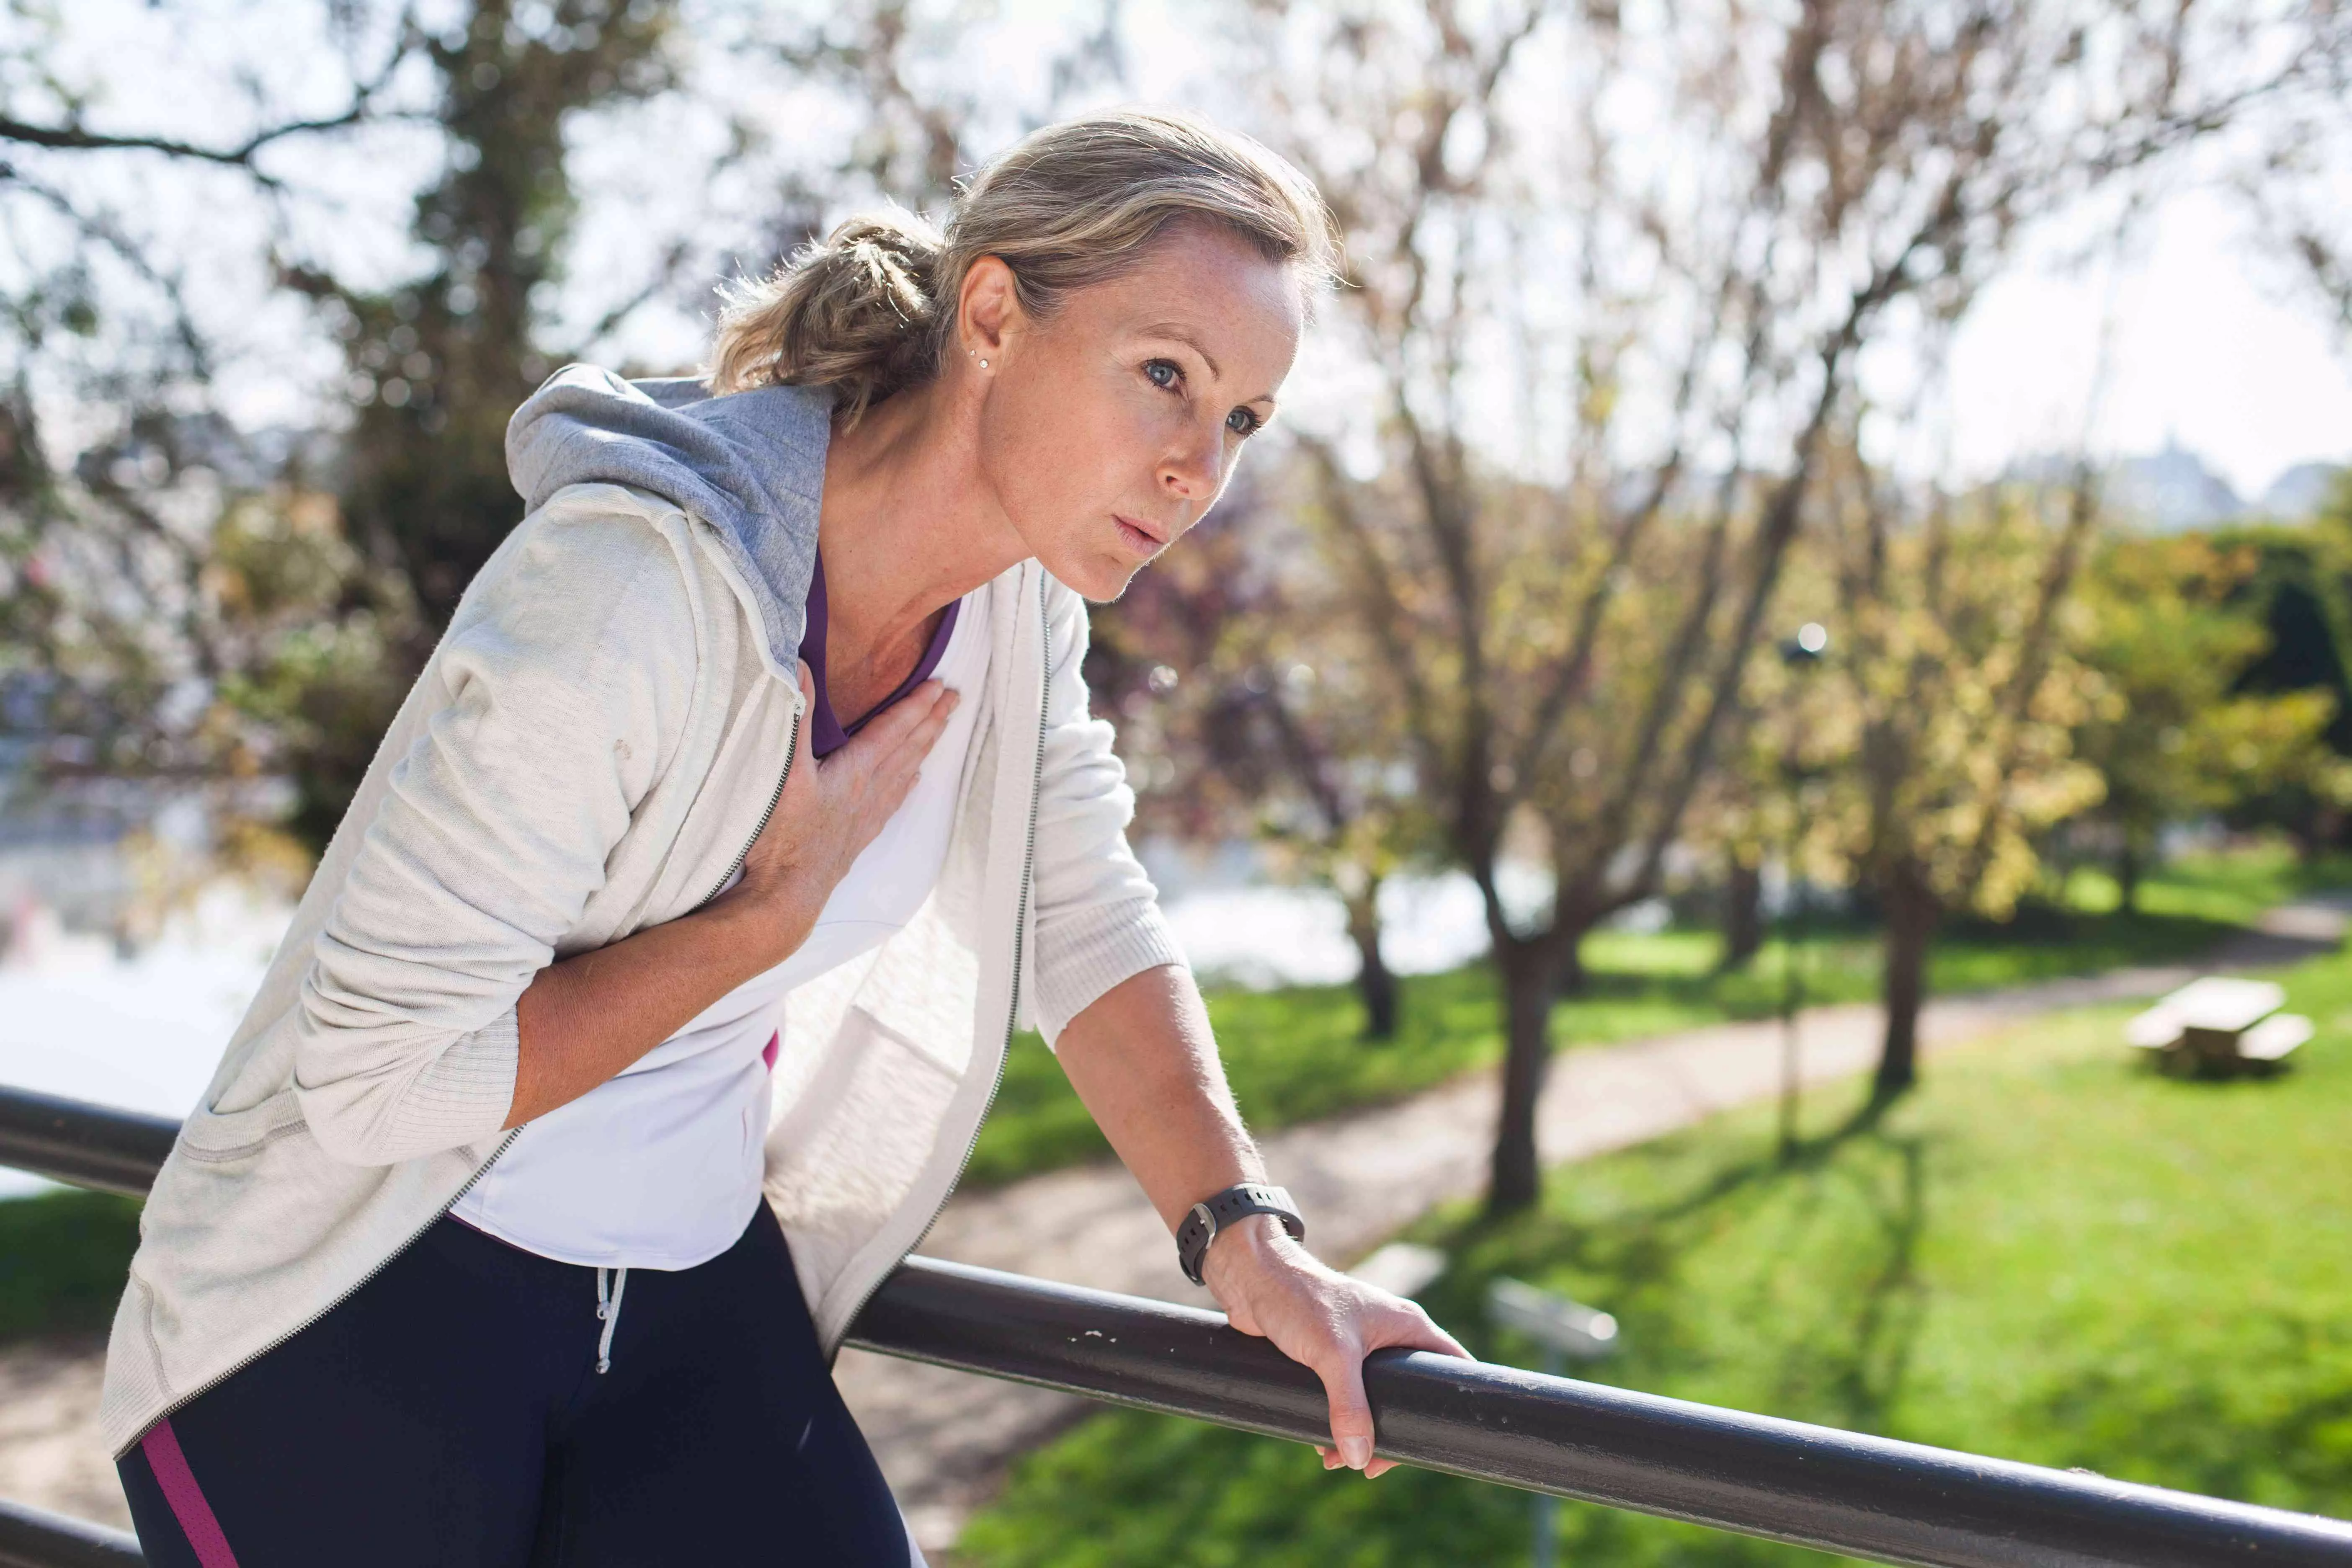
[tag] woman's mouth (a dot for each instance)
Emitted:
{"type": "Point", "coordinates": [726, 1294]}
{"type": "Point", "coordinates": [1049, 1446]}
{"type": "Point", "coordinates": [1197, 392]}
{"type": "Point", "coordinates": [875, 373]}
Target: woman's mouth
{"type": "Point", "coordinates": [1138, 538]}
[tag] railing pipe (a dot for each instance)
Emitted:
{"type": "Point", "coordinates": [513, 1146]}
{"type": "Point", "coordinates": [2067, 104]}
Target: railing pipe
{"type": "Point", "coordinates": [1813, 1486]}
{"type": "Point", "coordinates": [87, 1145]}
{"type": "Point", "coordinates": [35, 1538]}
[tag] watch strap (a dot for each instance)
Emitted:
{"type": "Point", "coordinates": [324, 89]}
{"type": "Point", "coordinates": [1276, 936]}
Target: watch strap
{"type": "Point", "coordinates": [1212, 1215]}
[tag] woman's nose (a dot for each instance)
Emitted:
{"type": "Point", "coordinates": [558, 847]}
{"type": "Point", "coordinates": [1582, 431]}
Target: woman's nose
{"type": "Point", "coordinates": [1192, 470]}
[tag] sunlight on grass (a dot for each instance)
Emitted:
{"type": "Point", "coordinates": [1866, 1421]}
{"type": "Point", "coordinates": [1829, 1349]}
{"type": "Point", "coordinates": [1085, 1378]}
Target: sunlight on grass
{"type": "Point", "coordinates": [2045, 1254]}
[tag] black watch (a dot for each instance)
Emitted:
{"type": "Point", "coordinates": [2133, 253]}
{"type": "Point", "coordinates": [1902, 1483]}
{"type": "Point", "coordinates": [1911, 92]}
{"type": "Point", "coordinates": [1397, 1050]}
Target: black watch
{"type": "Point", "coordinates": [1211, 1215]}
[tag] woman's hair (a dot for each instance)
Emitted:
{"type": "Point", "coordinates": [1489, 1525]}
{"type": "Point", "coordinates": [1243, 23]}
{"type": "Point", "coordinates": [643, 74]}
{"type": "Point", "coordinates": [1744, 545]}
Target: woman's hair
{"type": "Point", "coordinates": [870, 308]}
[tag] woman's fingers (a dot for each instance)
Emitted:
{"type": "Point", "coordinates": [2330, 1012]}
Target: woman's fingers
{"type": "Point", "coordinates": [1377, 1324]}
{"type": "Point", "coordinates": [896, 725]}
{"type": "Point", "coordinates": [1409, 1327]}
{"type": "Point", "coordinates": [870, 778]}
{"type": "Point", "coordinates": [899, 737]}
{"type": "Point", "coordinates": [904, 747]}
{"type": "Point", "coordinates": [904, 731]}
{"type": "Point", "coordinates": [829, 811]}
{"type": "Point", "coordinates": [1390, 1323]}
{"type": "Point", "coordinates": [1351, 1413]}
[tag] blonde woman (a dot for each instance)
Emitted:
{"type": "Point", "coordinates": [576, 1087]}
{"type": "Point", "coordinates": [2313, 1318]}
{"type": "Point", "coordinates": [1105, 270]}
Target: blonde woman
{"type": "Point", "coordinates": [641, 1016]}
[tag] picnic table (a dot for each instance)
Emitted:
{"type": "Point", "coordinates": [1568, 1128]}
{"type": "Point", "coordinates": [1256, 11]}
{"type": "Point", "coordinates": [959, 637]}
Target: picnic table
{"type": "Point", "coordinates": [2220, 1025]}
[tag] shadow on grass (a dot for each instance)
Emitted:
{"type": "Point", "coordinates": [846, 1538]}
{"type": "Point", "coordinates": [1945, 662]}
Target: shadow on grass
{"type": "Point", "coordinates": [1879, 1199]}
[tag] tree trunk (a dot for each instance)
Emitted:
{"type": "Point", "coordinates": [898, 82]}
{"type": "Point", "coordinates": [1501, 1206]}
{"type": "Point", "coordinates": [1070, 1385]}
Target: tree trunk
{"type": "Point", "coordinates": [1374, 984]}
{"type": "Point", "coordinates": [2127, 873]}
{"type": "Point", "coordinates": [1743, 916]}
{"type": "Point", "coordinates": [1568, 976]}
{"type": "Point", "coordinates": [1910, 914]}
{"type": "Point", "coordinates": [1527, 988]}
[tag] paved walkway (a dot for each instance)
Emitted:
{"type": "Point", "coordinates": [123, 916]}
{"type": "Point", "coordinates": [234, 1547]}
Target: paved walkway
{"type": "Point", "coordinates": [945, 1437]}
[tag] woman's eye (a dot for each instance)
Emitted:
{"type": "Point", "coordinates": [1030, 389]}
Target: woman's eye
{"type": "Point", "coordinates": [1163, 372]}
{"type": "Point", "coordinates": [1242, 422]}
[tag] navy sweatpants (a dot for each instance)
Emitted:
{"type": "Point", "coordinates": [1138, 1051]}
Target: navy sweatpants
{"type": "Point", "coordinates": [450, 1413]}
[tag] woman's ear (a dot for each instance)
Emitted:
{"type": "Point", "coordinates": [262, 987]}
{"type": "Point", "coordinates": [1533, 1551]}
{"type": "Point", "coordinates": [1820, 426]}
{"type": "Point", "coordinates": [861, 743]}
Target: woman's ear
{"type": "Point", "coordinates": [988, 313]}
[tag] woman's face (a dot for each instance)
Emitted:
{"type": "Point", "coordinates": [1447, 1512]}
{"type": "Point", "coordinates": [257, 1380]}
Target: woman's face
{"type": "Point", "coordinates": [1111, 428]}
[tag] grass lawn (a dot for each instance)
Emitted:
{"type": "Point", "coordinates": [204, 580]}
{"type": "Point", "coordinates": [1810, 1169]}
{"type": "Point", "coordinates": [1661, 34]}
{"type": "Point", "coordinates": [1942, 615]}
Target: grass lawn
{"type": "Point", "coordinates": [2046, 1253]}
{"type": "Point", "coordinates": [63, 1257]}
{"type": "Point", "coordinates": [1297, 1054]}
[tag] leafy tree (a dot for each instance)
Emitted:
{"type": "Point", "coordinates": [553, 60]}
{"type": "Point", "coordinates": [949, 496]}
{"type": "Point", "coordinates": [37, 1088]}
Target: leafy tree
{"type": "Point", "coordinates": [438, 363]}
{"type": "Point", "coordinates": [118, 473]}
{"type": "Point", "coordinates": [1943, 723]}
{"type": "Point", "coordinates": [1248, 710]}
{"type": "Point", "coordinates": [2163, 628]}
{"type": "Point", "coordinates": [177, 502]}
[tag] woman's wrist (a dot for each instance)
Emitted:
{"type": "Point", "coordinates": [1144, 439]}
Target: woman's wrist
{"type": "Point", "coordinates": [1246, 1251]}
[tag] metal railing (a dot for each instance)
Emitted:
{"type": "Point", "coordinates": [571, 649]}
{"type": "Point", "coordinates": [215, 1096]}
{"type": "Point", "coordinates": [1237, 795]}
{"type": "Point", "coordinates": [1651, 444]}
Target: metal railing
{"type": "Point", "coordinates": [1813, 1486]}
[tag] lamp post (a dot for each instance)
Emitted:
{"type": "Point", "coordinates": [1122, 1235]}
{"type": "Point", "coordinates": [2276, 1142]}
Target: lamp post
{"type": "Point", "coordinates": [1567, 1330]}
{"type": "Point", "coordinates": [1801, 654]}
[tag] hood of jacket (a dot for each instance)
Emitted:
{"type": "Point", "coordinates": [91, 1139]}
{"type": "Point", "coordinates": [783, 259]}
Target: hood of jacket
{"type": "Point", "coordinates": [749, 467]}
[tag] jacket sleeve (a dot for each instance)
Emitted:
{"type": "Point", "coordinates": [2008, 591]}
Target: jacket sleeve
{"type": "Point", "coordinates": [1097, 918]}
{"type": "Point", "coordinates": [560, 699]}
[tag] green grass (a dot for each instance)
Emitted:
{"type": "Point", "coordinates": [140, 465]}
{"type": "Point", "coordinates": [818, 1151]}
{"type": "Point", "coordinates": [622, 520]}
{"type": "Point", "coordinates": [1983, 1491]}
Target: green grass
{"type": "Point", "coordinates": [63, 1257]}
{"type": "Point", "coordinates": [1297, 1054]}
{"type": "Point", "coordinates": [2046, 1254]}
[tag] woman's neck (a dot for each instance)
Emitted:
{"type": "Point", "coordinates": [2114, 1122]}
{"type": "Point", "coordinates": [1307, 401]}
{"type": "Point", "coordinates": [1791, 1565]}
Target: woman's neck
{"type": "Point", "coordinates": [907, 526]}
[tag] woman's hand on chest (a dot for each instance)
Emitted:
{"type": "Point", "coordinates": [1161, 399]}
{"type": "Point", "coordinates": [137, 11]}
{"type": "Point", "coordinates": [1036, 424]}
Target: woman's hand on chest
{"type": "Point", "coordinates": [830, 810]}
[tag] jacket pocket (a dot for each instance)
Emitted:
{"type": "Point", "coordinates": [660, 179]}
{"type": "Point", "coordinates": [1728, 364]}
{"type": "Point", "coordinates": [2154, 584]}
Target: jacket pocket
{"type": "Point", "coordinates": [221, 1138]}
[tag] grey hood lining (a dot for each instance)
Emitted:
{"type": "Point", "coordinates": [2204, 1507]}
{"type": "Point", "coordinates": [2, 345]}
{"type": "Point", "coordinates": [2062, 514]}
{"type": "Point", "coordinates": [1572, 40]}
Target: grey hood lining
{"type": "Point", "coordinates": [749, 467]}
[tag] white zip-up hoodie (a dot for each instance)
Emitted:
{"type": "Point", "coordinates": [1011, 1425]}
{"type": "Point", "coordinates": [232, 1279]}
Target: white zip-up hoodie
{"type": "Point", "coordinates": [591, 751]}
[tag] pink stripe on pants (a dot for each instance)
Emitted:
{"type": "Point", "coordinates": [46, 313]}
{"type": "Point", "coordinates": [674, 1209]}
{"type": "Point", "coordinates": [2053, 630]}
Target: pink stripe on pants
{"type": "Point", "coordinates": [178, 1483]}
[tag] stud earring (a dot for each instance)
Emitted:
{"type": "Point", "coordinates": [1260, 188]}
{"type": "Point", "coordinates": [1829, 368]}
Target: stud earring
{"type": "Point", "coordinates": [983, 364]}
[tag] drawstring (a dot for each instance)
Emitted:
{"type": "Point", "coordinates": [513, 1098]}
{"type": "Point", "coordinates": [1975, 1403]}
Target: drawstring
{"type": "Point", "coordinates": [608, 1313]}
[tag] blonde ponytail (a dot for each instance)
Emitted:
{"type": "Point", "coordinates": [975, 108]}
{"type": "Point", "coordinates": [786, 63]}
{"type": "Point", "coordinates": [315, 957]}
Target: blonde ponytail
{"type": "Point", "coordinates": [852, 311]}
{"type": "Point", "coordinates": [869, 310]}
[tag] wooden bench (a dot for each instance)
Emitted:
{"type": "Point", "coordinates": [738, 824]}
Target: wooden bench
{"type": "Point", "coordinates": [2220, 1026]}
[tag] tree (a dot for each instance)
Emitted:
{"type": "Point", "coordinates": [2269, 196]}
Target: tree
{"type": "Point", "coordinates": [1695, 220]}
{"type": "Point", "coordinates": [122, 480]}
{"type": "Point", "coordinates": [1247, 713]}
{"type": "Point", "coordinates": [1944, 721]}
{"type": "Point", "coordinates": [2165, 632]}
{"type": "Point", "coordinates": [437, 363]}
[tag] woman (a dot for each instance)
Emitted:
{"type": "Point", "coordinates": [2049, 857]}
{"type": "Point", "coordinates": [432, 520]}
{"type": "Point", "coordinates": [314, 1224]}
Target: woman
{"type": "Point", "coordinates": [518, 1225]}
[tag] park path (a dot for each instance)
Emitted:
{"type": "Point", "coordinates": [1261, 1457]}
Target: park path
{"type": "Point", "coordinates": [946, 1438]}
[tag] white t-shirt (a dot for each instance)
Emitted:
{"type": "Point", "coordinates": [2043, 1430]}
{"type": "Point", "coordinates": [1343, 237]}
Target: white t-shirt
{"type": "Point", "coordinates": [660, 1166]}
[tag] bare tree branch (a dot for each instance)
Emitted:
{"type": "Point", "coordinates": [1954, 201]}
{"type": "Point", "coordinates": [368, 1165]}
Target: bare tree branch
{"type": "Point", "coordinates": [74, 137]}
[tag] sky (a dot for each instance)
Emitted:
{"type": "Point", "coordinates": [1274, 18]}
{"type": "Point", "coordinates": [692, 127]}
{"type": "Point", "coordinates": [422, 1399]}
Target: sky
{"type": "Point", "coordinates": [2210, 348]}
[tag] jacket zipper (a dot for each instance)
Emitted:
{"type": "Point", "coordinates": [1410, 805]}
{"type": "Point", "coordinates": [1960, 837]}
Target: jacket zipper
{"type": "Point", "coordinates": [791, 744]}
{"type": "Point", "coordinates": [1020, 928]}
{"type": "Point", "coordinates": [358, 1285]}
{"type": "Point", "coordinates": [792, 747]}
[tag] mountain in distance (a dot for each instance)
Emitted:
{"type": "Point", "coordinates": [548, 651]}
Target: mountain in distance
{"type": "Point", "coordinates": [2302, 491]}
{"type": "Point", "coordinates": [2172, 490]}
